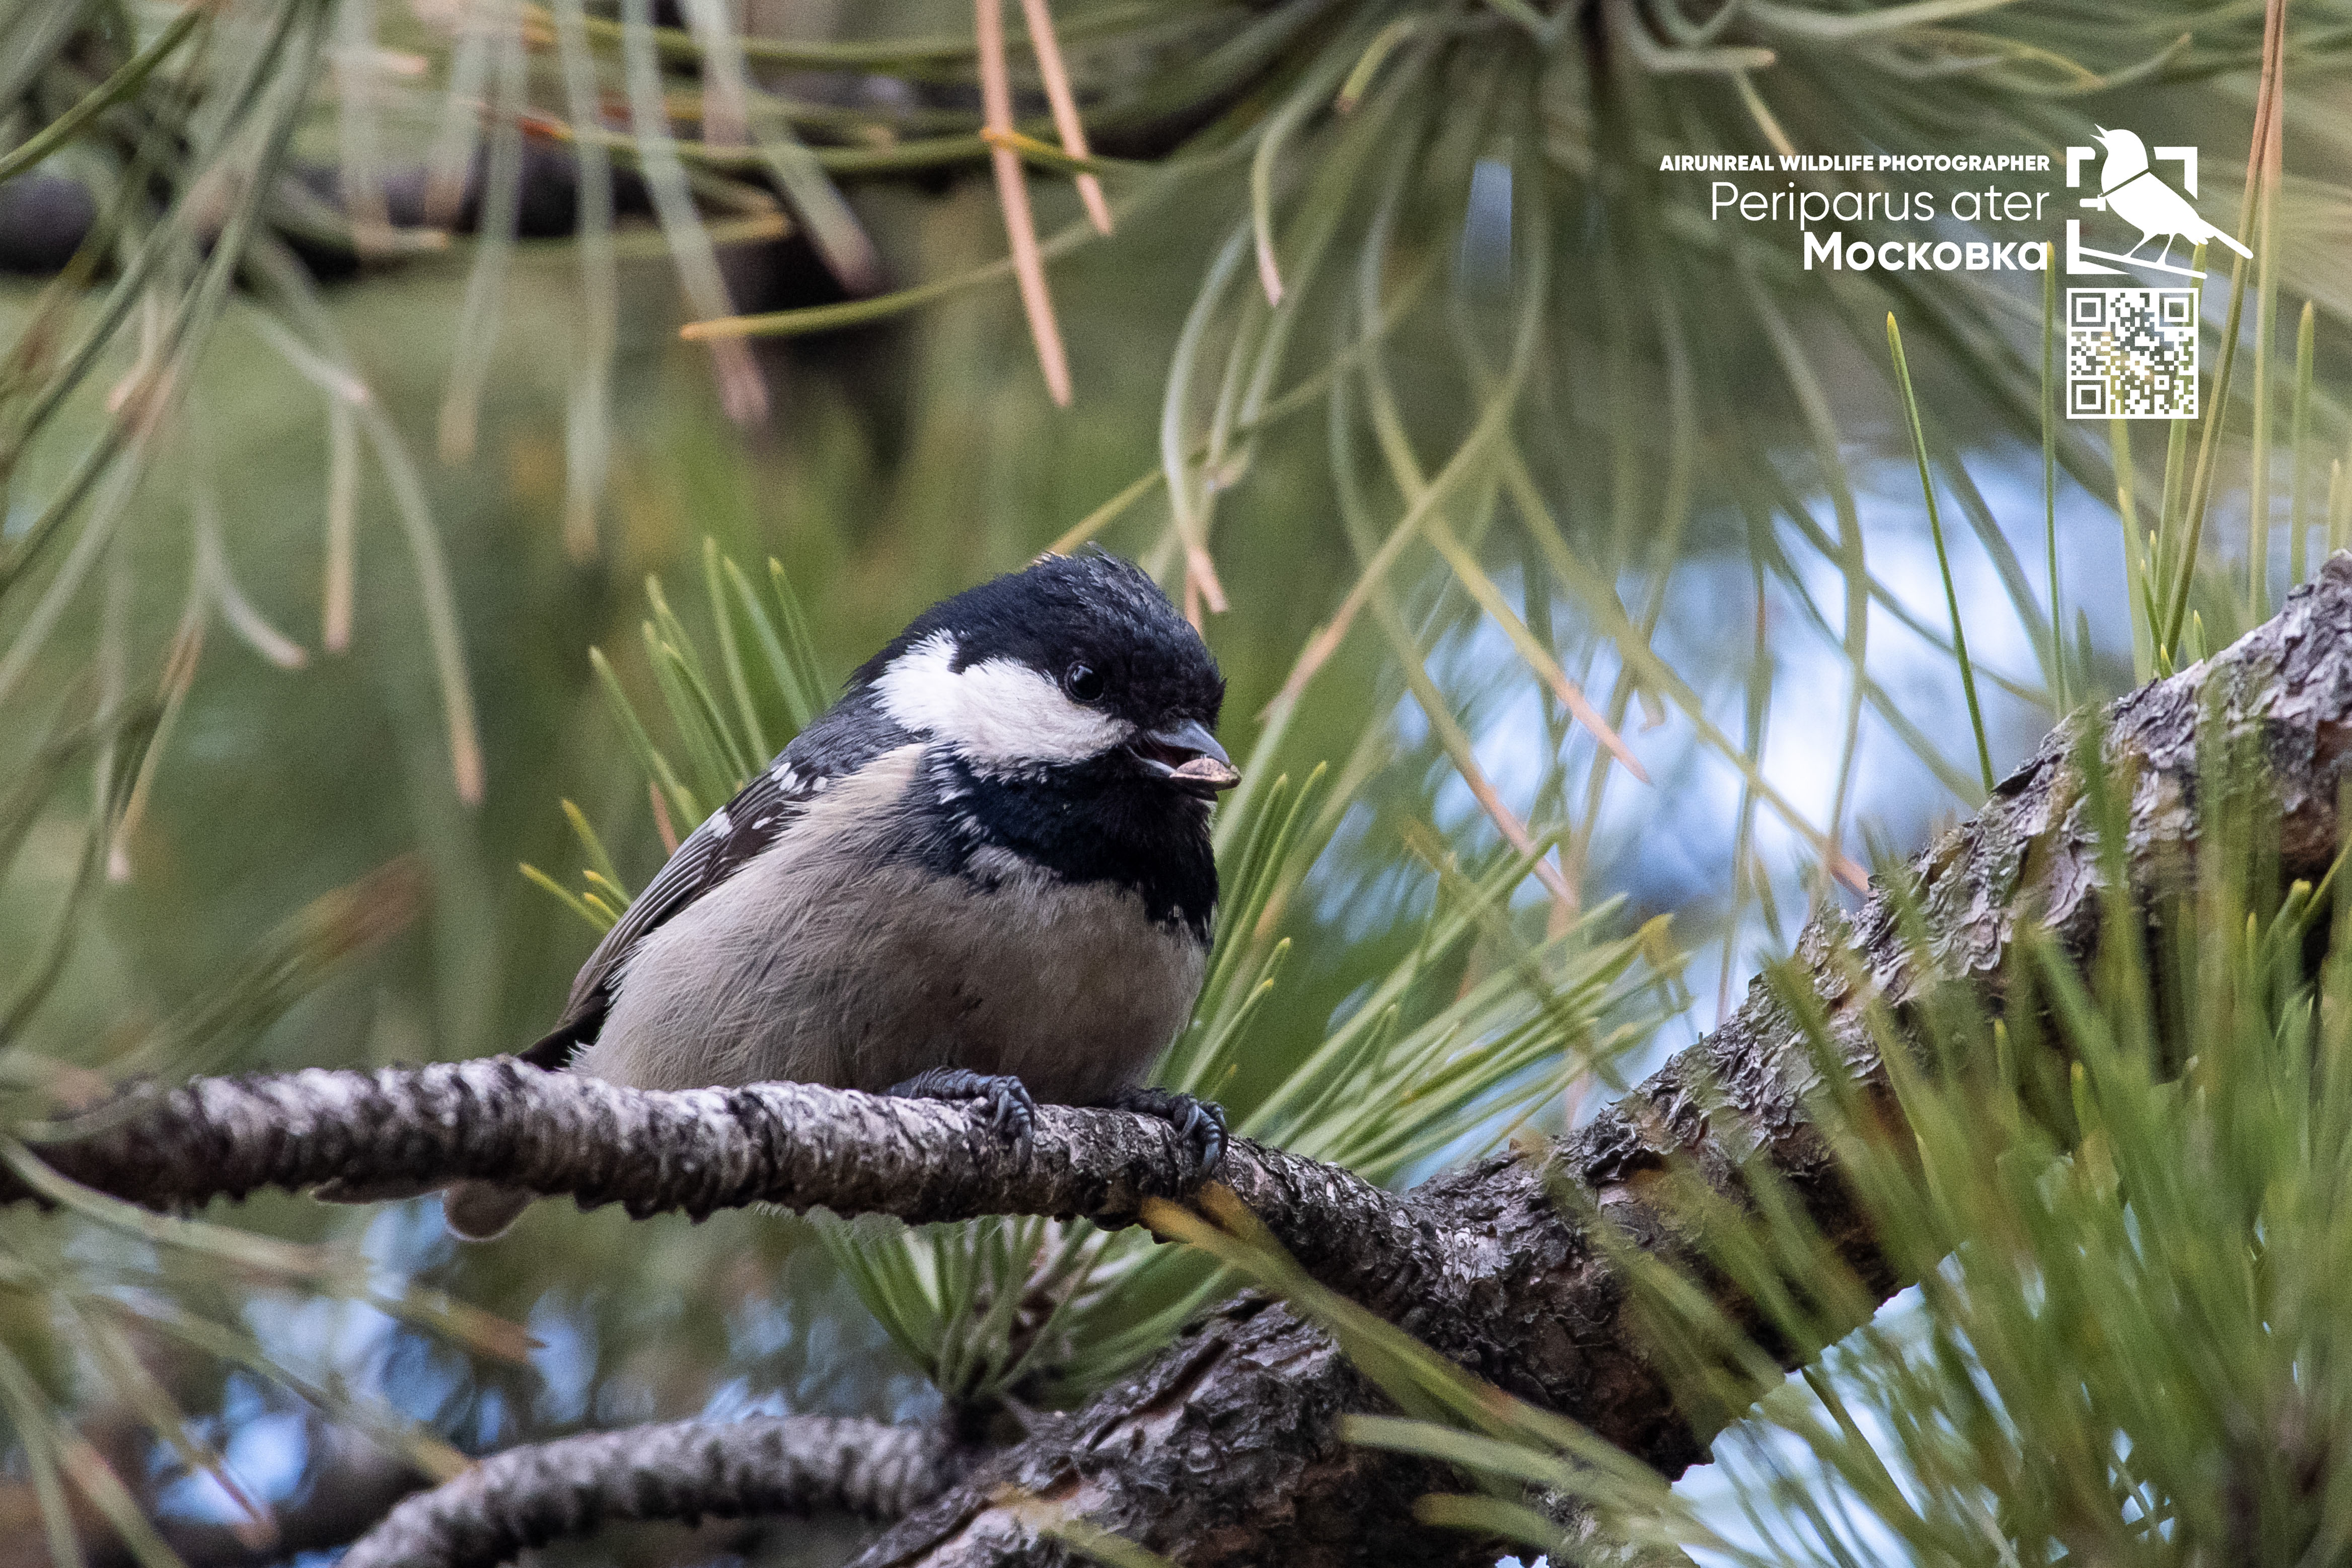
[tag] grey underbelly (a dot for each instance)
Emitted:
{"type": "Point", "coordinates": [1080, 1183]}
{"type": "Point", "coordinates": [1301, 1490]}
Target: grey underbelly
{"type": "Point", "coordinates": [791, 971]}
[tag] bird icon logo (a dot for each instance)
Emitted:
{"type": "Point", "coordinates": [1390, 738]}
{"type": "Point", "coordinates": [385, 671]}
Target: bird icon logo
{"type": "Point", "coordinates": [2130, 188]}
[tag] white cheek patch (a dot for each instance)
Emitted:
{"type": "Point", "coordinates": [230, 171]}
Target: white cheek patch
{"type": "Point", "coordinates": [998, 712]}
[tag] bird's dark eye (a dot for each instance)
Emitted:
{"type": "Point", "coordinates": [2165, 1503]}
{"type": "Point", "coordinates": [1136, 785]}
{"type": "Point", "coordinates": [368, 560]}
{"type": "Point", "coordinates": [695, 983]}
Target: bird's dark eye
{"type": "Point", "coordinates": [1083, 683]}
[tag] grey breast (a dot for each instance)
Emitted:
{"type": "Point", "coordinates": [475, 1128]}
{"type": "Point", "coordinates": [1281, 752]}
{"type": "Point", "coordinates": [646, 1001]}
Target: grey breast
{"type": "Point", "coordinates": [834, 958]}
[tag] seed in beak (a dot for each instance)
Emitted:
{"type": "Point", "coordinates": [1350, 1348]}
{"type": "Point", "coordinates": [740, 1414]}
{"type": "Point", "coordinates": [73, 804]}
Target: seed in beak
{"type": "Point", "coordinates": [1206, 775]}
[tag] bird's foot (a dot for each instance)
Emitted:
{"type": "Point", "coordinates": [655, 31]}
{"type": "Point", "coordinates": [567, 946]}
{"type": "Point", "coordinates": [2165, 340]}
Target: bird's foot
{"type": "Point", "coordinates": [1200, 1122]}
{"type": "Point", "coordinates": [1012, 1109]}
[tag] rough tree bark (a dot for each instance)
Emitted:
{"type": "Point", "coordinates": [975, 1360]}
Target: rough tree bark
{"type": "Point", "coordinates": [1225, 1450]}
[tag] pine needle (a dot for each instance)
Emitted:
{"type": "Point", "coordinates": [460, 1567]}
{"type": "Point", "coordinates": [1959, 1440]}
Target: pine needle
{"type": "Point", "coordinates": [1012, 195]}
{"type": "Point", "coordinates": [1943, 558]}
{"type": "Point", "coordinates": [343, 515]}
{"type": "Point", "coordinates": [2267, 105]}
{"type": "Point", "coordinates": [1067, 123]}
{"type": "Point", "coordinates": [661, 819]}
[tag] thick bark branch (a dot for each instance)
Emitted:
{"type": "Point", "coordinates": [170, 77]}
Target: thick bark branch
{"type": "Point", "coordinates": [684, 1471]}
{"type": "Point", "coordinates": [1225, 1452]}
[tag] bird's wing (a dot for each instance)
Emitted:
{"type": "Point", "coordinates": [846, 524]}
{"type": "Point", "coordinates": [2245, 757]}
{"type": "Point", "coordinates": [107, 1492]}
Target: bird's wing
{"type": "Point", "coordinates": [725, 842]}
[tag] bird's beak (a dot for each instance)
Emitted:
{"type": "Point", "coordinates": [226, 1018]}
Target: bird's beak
{"type": "Point", "coordinates": [1188, 757]}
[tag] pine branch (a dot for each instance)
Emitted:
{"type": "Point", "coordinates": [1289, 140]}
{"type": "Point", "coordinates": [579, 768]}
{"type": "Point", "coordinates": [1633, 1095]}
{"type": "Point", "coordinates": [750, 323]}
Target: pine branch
{"type": "Point", "coordinates": [683, 1471]}
{"type": "Point", "coordinates": [400, 1131]}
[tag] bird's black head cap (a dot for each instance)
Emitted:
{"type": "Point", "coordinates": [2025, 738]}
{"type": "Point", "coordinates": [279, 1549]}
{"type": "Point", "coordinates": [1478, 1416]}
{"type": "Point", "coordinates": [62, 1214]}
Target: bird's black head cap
{"type": "Point", "coordinates": [1093, 622]}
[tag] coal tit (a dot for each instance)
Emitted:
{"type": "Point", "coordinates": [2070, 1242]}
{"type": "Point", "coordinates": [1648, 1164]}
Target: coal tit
{"type": "Point", "coordinates": [984, 874]}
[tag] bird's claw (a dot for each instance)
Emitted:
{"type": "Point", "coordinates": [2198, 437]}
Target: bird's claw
{"type": "Point", "coordinates": [1012, 1110]}
{"type": "Point", "coordinates": [1200, 1122]}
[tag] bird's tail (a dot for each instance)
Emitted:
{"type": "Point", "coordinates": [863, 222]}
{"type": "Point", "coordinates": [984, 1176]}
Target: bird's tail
{"type": "Point", "coordinates": [478, 1211]}
{"type": "Point", "coordinates": [2212, 233]}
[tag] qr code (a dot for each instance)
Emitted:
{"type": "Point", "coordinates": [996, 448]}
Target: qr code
{"type": "Point", "coordinates": [2131, 354]}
